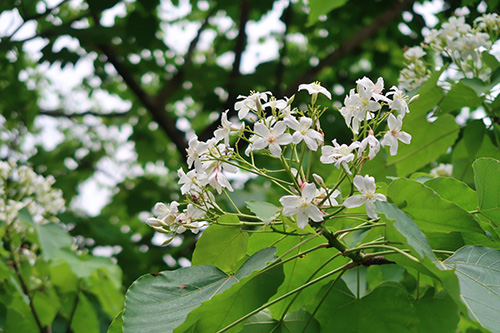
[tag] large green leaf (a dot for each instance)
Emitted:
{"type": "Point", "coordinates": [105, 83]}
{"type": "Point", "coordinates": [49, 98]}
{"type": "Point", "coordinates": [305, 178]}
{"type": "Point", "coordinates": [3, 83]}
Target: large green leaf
{"type": "Point", "coordinates": [240, 299]}
{"type": "Point", "coordinates": [52, 237]}
{"type": "Point", "coordinates": [461, 95]}
{"type": "Point", "coordinates": [85, 317]}
{"type": "Point", "coordinates": [429, 141]}
{"type": "Point", "coordinates": [292, 322]}
{"type": "Point", "coordinates": [386, 309]}
{"type": "Point", "coordinates": [487, 180]}
{"type": "Point", "coordinates": [473, 145]}
{"type": "Point", "coordinates": [455, 191]}
{"type": "Point", "coordinates": [415, 238]}
{"type": "Point", "coordinates": [161, 302]}
{"type": "Point", "coordinates": [222, 246]}
{"type": "Point", "coordinates": [428, 210]}
{"type": "Point", "coordinates": [478, 272]}
{"type": "Point", "coordinates": [438, 313]}
{"type": "Point", "coordinates": [430, 95]}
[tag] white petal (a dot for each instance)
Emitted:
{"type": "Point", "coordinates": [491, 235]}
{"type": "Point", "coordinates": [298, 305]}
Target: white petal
{"type": "Point", "coordinates": [302, 219]}
{"type": "Point", "coordinates": [309, 192]}
{"type": "Point", "coordinates": [370, 210]}
{"type": "Point", "coordinates": [310, 143]}
{"type": "Point", "coordinates": [355, 201]}
{"type": "Point", "coordinates": [275, 149]}
{"type": "Point", "coordinates": [314, 213]}
{"type": "Point", "coordinates": [404, 137]}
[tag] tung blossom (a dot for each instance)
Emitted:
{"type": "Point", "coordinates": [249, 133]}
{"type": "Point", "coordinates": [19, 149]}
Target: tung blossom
{"type": "Point", "coordinates": [339, 154]}
{"type": "Point", "coordinates": [302, 206]}
{"type": "Point", "coordinates": [304, 132]}
{"type": "Point", "coordinates": [394, 134]}
{"type": "Point", "coordinates": [224, 130]}
{"type": "Point", "coordinates": [251, 102]}
{"type": "Point", "coordinates": [314, 89]}
{"type": "Point", "coordinates": [366, 186]}
{"type": "Point", "coordinates": [271, 137]}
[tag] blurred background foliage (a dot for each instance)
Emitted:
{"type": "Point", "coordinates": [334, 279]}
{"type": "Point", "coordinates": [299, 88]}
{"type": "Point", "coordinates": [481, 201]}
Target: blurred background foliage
{"type": "Point", "coordinates": [146, 75]}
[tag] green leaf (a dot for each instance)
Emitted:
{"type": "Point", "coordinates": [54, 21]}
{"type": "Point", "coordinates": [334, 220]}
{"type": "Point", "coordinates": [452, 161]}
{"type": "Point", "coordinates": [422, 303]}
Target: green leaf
{"type": "Point", "coordinates": [240, 299]}
{"type": "Point", "coordinates": [322, 7]}
{"type": "Point", "coordinates": [46, 305]}
{"type": "Point", "coordinates": [293, 322]}
{"type": "Point", "coordinates": [161, 302]}
{"type": "Point", "coordinates": [472, 146]}
{"type": "Point", "coordinates": [117, 324]}
{"type": "Point", "coordinates": [428, 210]}
{"type": "Point", "coordinates": [373, 313]}
{"type": "Point", "coordinates": [478, 272]}
{"type": "Point", "coordinates": [429, 141]}
{"type": "Point", "coordinates": [222, 246]}
{"type": "Point", "coordinates": [429, 96]}
{"type": "Point", "coordinates": [415, 238]}
{"type": "Point", "coordinates": [438, 313]}
{"type": "Point", "coordinates": [85, 318]}
{"type": "Point", "coordinates": [461, 95]}
{"type": "Point", "coordinates": [265, 211]}
{"type": "Point", "coordinates": [487, 180]}
{"type": "Point", "coordinates": [53, 237]}
{"type": "Point", "coordinates": [84, 265]}
{"type": "Point", "coordinates": [455, 191]}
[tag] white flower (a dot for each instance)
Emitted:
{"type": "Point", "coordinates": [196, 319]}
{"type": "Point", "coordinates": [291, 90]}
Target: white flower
{"type": "Point", "coordinates": [302, 206]}
{"type": "Point", "coordinates": [187, 220]}
{"type": "Point", "coordinates": [165, 215]}
{"type": "Point", "coordinates": [365, 185]}
{"type": "Point", "coordinates": [271, 137]}
{"type": "Point", "coordinates": [304, 132]}
{"type": "Point", "coordinates": [314, 89]}
{"type": "Point", "coordinates": [225, 129]}
{"type": "Point", "coordinates": [252, 102]}
{"type": "Point", "coordinates": [399, 101]}
{"type": "Point", "coordinates": [194, 151]}
{"type": "Point", "coordinates": [394, 134]}
{"type": "Point", "coordinates": [372, 142]}
{"type": "Point", "coordinates": [442, 170]}
{"type": "Point", "coordinates": [274, 104]}
{"type": "Point", "coordinates": [338, 154]}
{"type": "Point", "coordinates": [193, 180]}
{"type": "Point", "coordinates": [414, 53]}
{"type": "Point", "coordinates": [322, 194]}
{"type": "Point", "coordinates": [374, 88]}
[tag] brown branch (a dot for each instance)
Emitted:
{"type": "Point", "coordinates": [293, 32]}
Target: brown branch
{"type": "Point", "coordinates": [352, 43]}
{"type": "Point", "coordinates": [239, 47]}
{"type": "Point", "coordinates": [157, 111]}
{"type": "Point", "coordinates": [62, 114]}
{"type": "Point", "coordinates": [175, 83]}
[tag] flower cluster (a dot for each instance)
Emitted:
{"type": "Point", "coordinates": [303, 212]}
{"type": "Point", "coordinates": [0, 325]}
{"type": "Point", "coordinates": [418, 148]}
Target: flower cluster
{"type": "Point", "coordinates": [21, 187]}
{"type": "Point", "coordinates": [457, 41]}
{"type": "Point", "coordinates": [274, 128]}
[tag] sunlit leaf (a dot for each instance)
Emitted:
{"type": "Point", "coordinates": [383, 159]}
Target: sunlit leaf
{"type": "Point", "coordinates": [478, 271]}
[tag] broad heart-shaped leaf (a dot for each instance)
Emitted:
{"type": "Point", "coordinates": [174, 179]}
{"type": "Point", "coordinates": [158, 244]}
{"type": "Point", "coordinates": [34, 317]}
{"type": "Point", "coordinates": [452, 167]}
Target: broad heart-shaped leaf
{"type": "Point", "coordinates": [438, 313]}
{"type": "Point", "coordinates": [478, 272]}
{"type": "Point", "coordinates": [415, 238]}
{"type": "Point", "coordinates": [386, 309]}
{"type": "Point", "coordinates": [240, 299]}
{"type": "Point", "coordinates": [429, 141]}
{"type": "Point", "coordinates": [429, 96]}
{"type": "Point", "coordinates": [222, 246]}
{"type": "Point", "coordinates": [460, 95]}
{"type": "Point", "coordinates": [455, 191]}
{"type": "Point", "coordinates": [161, 302]}
{"type": "Point", "coordinates": [293, 322]}
{"type": "Point", "coordinates": [263, 210]}
{"type": "Point", "coordinates": [487, 180]}
{"type": "Point", "coordinates": [428, 210]}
